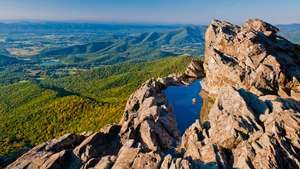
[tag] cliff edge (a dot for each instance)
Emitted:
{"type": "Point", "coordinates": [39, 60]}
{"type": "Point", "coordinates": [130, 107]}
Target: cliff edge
{"type": "Point", "coordinates": [251, 119]}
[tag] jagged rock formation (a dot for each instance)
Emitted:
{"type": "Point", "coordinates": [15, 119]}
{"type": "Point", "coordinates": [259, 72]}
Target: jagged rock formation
{"type": "Point", "coordinates": [252, 57]}
{"type": "Point", "coordinates": [147, 128]}
{"type": "Point", "coordinates": [252, 121]}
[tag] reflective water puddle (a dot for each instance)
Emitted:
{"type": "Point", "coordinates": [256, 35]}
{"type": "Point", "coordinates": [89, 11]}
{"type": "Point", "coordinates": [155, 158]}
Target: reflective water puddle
{"type": "Point", "coordinates": [186, 103]}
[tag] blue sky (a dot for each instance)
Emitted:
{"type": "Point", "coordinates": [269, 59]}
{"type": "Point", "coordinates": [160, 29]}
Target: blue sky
{"type": "Point", "coordinates": [152, 11]}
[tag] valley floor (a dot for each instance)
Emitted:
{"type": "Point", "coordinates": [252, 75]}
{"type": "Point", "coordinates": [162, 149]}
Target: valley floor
{"type": "Point", "coordinates": [35, 111]}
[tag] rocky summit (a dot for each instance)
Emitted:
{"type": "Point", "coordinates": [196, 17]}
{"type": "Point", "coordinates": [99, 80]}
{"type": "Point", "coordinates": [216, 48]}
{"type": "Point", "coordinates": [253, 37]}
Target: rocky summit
{"type": "Point", "coordinates": [250, 116]}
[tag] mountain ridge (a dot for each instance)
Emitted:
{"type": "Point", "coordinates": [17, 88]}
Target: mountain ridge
{"type": "Point", "coordinates": [251, 78]}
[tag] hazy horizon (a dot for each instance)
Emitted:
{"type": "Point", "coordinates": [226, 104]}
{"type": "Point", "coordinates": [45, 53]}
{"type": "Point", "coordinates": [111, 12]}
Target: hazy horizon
{"type": "Point", "coordinates": [199, 12]}
{"type": "Point", "coordinates": [40, 21]}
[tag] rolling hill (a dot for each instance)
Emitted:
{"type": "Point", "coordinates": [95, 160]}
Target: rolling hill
{"type": "Point", "coordinates": [77, 49]}
{"type": "Point", "coordinates": [132, 47]}
{"type": "Point", "coordinates": [35, 111]}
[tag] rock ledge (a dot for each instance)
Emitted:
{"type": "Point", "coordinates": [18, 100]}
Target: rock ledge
{"type": "Point", "coordinates": [252, 113]}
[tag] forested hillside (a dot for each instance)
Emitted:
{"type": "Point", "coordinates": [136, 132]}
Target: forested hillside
{"type": "Point", "coordinates": [35, 111]}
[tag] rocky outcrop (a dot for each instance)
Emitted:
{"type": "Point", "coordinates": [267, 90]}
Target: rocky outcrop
{"type": "Point", "coordinates": [147, 128]}
{"type": "Point", "coordinates": [252, 57]}
{"type": "Point", "coordinates": [195, 69]}
{"type": "Point", "coordinates": [246, 131]}
{"type": "Point", "coordinates": [251, 118]}
{"type": "Point", "coordinates": [53, 154]}
{"type": "Point", "coordinates": [147, 116]}
{"type": "Point", "coordinates": [254, 121]}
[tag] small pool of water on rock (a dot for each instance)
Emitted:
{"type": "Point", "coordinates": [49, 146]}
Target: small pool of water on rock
{"type": "Point", "coordinates": [186, 103]}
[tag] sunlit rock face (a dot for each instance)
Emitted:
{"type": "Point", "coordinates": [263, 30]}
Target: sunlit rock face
{"type": "Point", "coordinates": [251, 56]}
{"type": "Point", "coordinates": [252, 119]}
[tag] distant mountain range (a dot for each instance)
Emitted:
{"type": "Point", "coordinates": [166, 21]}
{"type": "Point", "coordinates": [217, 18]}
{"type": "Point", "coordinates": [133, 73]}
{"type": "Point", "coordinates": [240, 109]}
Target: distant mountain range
{"type": "Point", "coordinates": [99, 44]}
{"type": "Point", "coordinates": [78, 49]}
{"type": "Point", "coordinates": [65, 27]}
{"type": "Point", "coordinates": [291, 32]}
{"type": "Point", "coordinates": [104, 44]}
{"type": "Point", "coordinates": [134, 46]}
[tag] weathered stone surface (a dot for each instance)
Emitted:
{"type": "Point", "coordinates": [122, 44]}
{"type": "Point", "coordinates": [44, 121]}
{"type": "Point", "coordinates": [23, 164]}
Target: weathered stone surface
{"type": "Point", "coordinates": [260, 26]}
{"type": "Point", "coordinates": [195, 69]}
{"type": "Point", "coordinates": [106, 162]}
{"type": "Point", "coordinates": [247, 132]}
{"type": "Point", "coordinates": [232, 118]}
{"type": "Point", "coordinates": [276, 147]}
{"type": "Point", "coordinates": [166, 162]}
{"type": "Point", "coordinates": [179, 163]}
{"type": "Point", "coordinates": [175, 163]}
{"type": "Point", "coordinates": [147, 161]}
{"type": "Point", "coordinates": [57, 160]}
{"type": "Point", "coordinates": [147, 118]}
{"type": "Point", "coordinates": [99, 144]}
{"type": "Point", "coordinates": [249, 125]}
{"type": "Point", "coordinates": [126, 156]}
{"type": "Point", "coordinates": [194, 146]}
{"type": "Point", "coordinates": [67, 141]}
{"type": "Point", "coordinates": [249, 56]}
{"type": "Point", "coordinates": [148, 136]}
{"type": "Point", "coordinates": [50, 154]}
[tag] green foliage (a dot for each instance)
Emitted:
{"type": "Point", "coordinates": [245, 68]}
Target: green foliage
{"type": "Point", "coordinates": [130, 47]}
{"type": "Point", "coordinates": [78, 49]}
{"type": "Point", "coordinates": [35, 111]}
